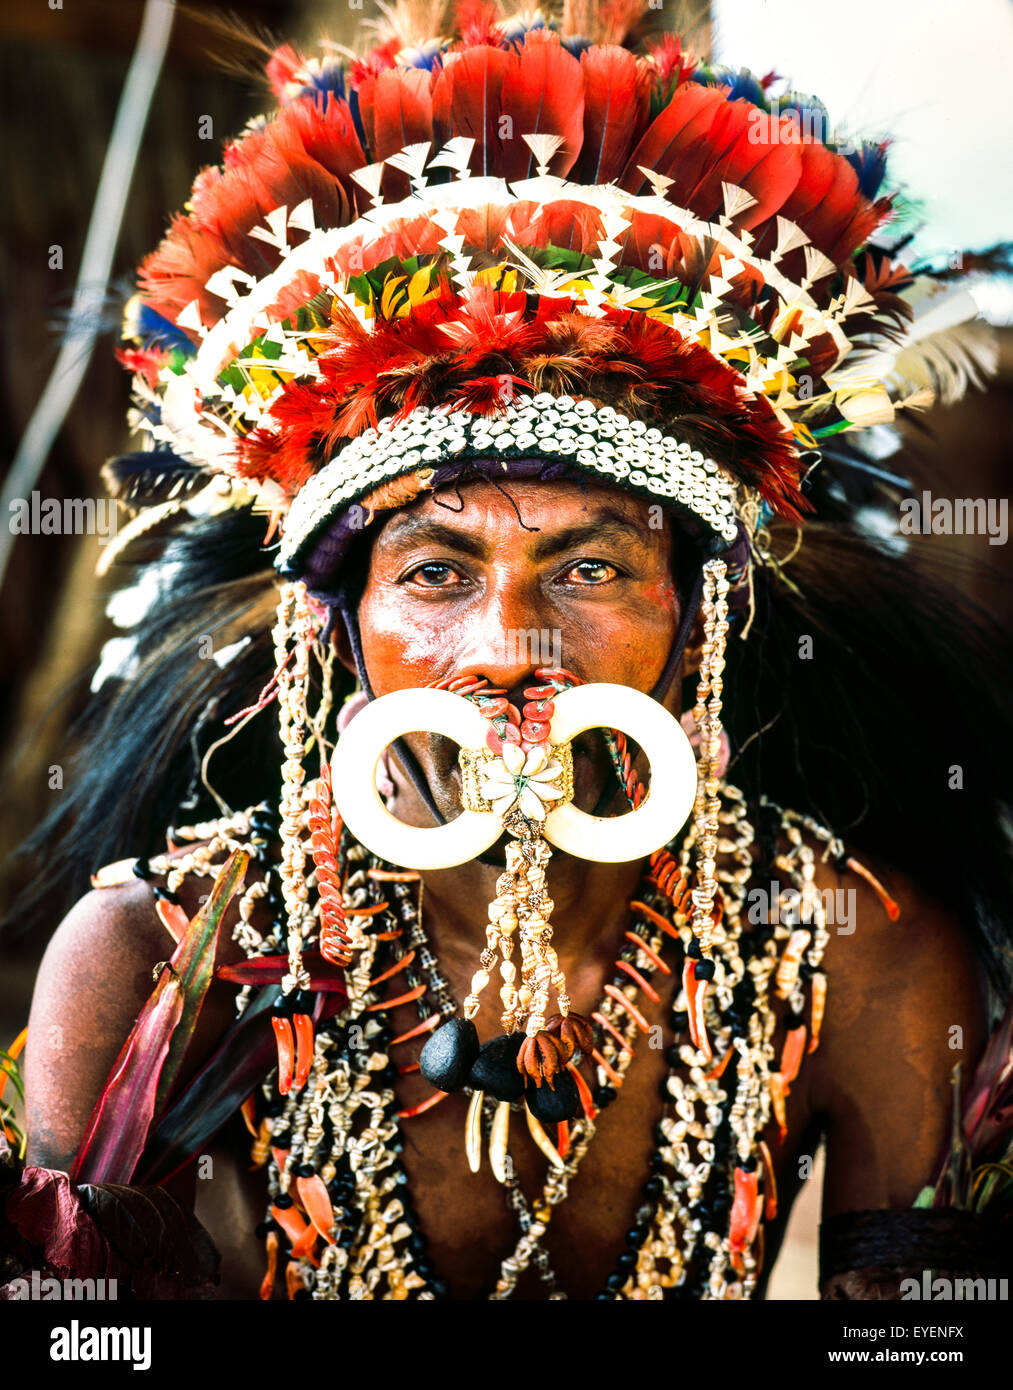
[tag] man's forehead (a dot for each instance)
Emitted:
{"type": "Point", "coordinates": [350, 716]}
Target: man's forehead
{"type": "Point", "coordinates": [522, 507]}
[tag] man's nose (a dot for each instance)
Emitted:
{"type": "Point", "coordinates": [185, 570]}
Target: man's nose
{"type": "Point", "coordinates": [508, 639]}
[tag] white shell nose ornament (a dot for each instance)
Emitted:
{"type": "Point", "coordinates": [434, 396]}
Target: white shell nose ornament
{"type": "Point", "coordinates": [537, 782]}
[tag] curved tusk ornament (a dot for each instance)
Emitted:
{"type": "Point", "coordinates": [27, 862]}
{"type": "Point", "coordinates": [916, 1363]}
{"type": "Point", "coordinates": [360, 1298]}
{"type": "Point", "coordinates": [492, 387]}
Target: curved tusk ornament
{"type": "Point", "coordinates": [604, 839]}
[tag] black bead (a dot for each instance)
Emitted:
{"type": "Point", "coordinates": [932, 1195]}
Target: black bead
{"type": "Point", "coordinates": [626, 1261]}
{"type": "Point", "coordinates": [449, 1054]}
{"type": "Point", "coordinates": [672, 1055]}
{"type": "Point", "coordinates": [283, 1201]}
{"type": "Point", "coordinates": [556, 1103]}
{"type": "Point", "coordinates": [424, 1269]}
{"type": "Point", "coordinates": [438, 1288]}
{"type": "Point", "coordinates": [263, 1227]}
{"type": "Point", "coordinates": [680, 1021]}
{"type": "Point", "coordinates": [653, 1187]}
{"type": "Point", "coordinates": [656, 1164]}
{"type": "Point", "coordinates": [142, 868]}
{"type": "Point", "coordinates": [636, 1236]}
{"type": "Point", "coordinates": [495, 1068]}
{"type": "Point", "coordinates": [615, 1282]}
{"type": "Point", "coordinates": [793, 1019]}
{"type": "Point", "coordinates": [693, 949]}
{"type": "Point", "coordinates": [419, 1244]}
{"type": "Point", "coordinates": [603, 1095]}
{"type": "Point", "coordinates": [347, 1238]}
{"type": "Point", "coordinates": [162, 895]}
{"type": "Point", "coordinates": [304, 1170]}
{"type": "Point", "coordinates": [605, 1298]}
{"type": "Point", "coordinates": [704, 970]}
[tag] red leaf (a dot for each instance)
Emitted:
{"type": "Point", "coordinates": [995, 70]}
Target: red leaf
{"type": "Point", "coordinates": [265, 970]}
{"type": "Point", "coordinates": [150, 1059]}
{"type": "Point", "coordinates": [119, 1124]}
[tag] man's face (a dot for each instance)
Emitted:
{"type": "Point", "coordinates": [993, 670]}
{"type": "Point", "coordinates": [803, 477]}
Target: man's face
{"type": "Point", "coordinates": [584, 583]}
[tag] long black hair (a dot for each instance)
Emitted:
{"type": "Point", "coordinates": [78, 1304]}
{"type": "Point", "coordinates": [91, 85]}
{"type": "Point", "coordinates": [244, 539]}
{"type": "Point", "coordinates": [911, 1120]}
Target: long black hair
{"type": "Point", "coordinates": [866, 695]}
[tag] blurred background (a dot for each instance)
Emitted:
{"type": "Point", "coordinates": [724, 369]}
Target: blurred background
{"type": "Point", "coordinates": [933, 76]}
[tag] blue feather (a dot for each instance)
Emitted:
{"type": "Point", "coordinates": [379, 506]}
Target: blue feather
{"type": "Point", "coordinates": [330, 78]}
{"type": "Point", "coordinates": [812, 117]}
{"type": "Point", "coordinates": [142, 324]}
{"type": "Point", "coordinates": [745, 85]}
{"type": "Point", "coordinates": [869, 163]}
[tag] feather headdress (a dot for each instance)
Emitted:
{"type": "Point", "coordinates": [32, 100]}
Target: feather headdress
{"type": "Point", "coordinates": [491, 204]}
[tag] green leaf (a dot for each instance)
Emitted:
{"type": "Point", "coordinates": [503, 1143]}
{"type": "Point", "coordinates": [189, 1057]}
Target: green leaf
{"type": "Point", "coordinates": [194, 962]}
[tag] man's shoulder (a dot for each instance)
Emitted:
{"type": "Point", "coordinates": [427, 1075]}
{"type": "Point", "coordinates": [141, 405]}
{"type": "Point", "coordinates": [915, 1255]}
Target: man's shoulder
{"type": "Point", "coordinates": [95, 977]}
{"type": "Point", "coordinates": [906, 1001]}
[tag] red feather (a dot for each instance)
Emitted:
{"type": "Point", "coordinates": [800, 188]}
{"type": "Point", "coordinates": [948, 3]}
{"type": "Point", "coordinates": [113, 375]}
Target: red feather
{"type": "Point", "coordinates": [748, 151]}
{"type": "Point", "coordinates": [827, 205]}
{"type": "Point", "coordinates": [572, 226]}
{"type": "Point", "coordinates": [282, 67]}
{"type": "Point", "coordinates": [396, 109]}
{"type": "Point", "coordinates": [466, 101]}
{"type": "Point", "coordinates": [544, 94]}
{"type": "Point", "coordinates": [673, 137]}
{"type": "Point", "coordinates": [308, 151]}
{"type": "Point", "coordinates": [615, 102]}
{"type": "Point", "coordinates": [476, 21]}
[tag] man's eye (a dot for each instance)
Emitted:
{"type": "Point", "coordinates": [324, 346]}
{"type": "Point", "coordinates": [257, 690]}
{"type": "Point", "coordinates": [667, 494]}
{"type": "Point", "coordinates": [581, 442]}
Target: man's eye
{"type": "Point", "coordinates": [590, 572]}
{"type": "Point", "coordinates": [433, 576]}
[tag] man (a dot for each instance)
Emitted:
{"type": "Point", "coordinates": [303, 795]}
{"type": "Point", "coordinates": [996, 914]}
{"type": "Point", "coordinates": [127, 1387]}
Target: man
{"type": "Point", "coordinates": [583, 437]}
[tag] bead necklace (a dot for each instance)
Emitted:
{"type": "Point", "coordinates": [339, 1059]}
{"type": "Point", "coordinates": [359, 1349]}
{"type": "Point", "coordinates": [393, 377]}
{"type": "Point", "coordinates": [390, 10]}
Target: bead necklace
{"type": "Point", "coordinates": [378, 1250]}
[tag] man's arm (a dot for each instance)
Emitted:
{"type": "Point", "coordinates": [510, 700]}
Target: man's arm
{"type": "Point", "coordinates": [94, 979]}
{"type": "Point", "coordinates": [906, 1002]}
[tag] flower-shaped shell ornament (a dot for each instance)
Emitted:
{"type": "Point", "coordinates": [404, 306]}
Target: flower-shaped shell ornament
{"type": "Point", "coordinates": [530, 782]}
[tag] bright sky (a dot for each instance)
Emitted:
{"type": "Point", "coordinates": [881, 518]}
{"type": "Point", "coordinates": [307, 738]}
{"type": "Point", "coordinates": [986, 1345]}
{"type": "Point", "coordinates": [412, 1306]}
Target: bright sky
{"type": "Point", "coordinates": [936, 74]}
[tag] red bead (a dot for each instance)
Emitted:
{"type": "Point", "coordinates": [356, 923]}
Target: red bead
{"type": "Point", "coordinates": [540, 692]}
{"type": "Point", "coordinates": [511, 734]}
{"type": "Point", "coordinates": [491, 708]}
{"type": "Point", "coordinates": [534, 731]}
{"type": "Point", "coordinates": [493, 741]}
{"type": "Point", "coordinates": [541, 710]}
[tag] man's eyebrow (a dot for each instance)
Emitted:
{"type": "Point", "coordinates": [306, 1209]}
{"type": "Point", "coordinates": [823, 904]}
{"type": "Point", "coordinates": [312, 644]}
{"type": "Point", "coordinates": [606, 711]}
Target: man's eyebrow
{"type": "Point", "coordinates": [407, 529]}
{"type": "Point", "coordinates": [606, 525]}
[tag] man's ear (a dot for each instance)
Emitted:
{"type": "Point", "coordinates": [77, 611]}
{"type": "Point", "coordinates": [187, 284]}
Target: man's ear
{"type": "Point", "coordinates": [342, 646]}
{"type": "Point", "coordinates": [693, 654]}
